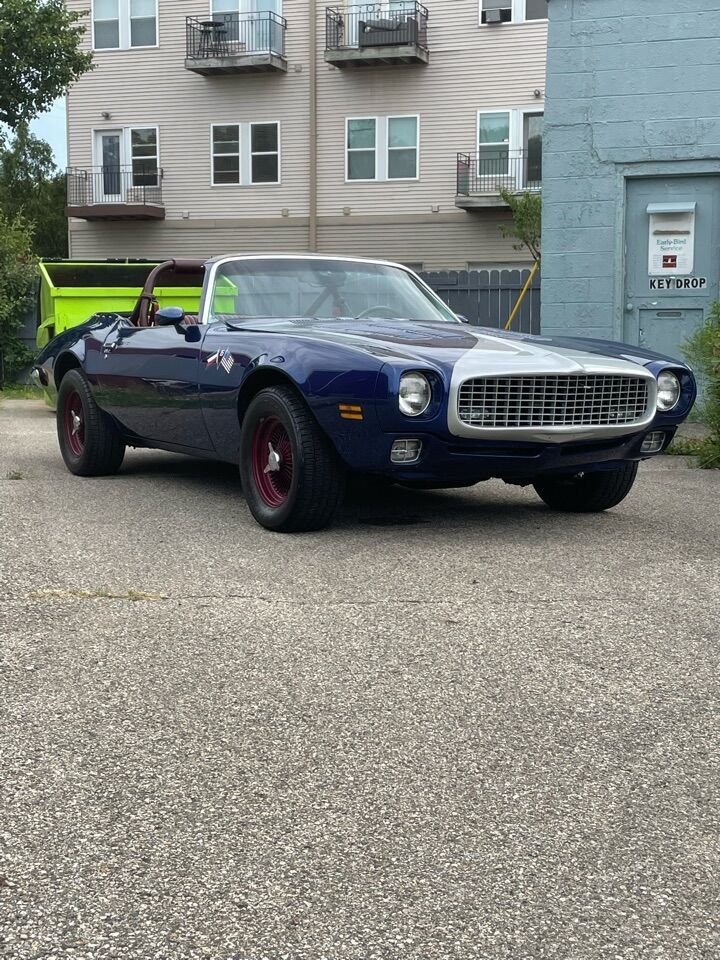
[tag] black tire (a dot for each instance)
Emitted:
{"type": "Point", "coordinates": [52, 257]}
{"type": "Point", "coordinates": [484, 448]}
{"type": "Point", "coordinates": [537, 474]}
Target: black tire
{"type": "Point", "coordinates": [316, 483]}
{"type": "Point", "coordinates": [100, 449]}
{"type": "Point", "coordinates": [590, 493]}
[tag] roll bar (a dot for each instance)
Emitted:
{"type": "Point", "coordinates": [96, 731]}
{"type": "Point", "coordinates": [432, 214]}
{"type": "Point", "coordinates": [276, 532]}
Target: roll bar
{"type": "Point", "coordinates": [141, 314]}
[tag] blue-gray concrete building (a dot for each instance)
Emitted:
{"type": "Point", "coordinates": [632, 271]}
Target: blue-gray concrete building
{"type": "Point", "coordinates": [631, 169]}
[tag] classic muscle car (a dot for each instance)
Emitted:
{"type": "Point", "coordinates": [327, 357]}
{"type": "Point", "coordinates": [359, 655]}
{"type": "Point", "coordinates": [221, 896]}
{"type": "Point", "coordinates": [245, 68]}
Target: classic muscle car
{"type": "Point", "coordinates": [303, 368]}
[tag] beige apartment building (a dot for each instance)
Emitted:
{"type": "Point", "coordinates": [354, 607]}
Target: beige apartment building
{"type": "Point", "coordinates": [382, 130]}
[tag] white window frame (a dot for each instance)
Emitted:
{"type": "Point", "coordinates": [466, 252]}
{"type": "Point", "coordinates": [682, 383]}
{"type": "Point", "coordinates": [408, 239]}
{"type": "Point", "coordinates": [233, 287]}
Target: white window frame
{"type": "Point", "coordinates": [382, 150]}
{"type": "Point", "coordinates": [124, 29]}
{"type": "Point", "coordinates": [516, 143]}
{"type": "Point", "coordinates": [262, 153]}
{"type": "Point", "coordinates": [125, 142]}
{"type": "Point", "coordinates": [518, 8]}
{"type": "Point", "coordinates": [245, 153]}
{"type": "Point", "coordinates": [129, 132]}
{"type": "Point", "coordinates": [507, 111]}
{"type": "Point", "coordinates": [125, 156]}
{"type": "Point", "coordinates": [225, 123]}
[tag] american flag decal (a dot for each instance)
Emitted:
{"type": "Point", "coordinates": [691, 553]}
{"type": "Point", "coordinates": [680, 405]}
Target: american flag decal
{"type": "Point", "coordinates": [226, 361]}
{"type": "Point", "coordinates": [222, 358]}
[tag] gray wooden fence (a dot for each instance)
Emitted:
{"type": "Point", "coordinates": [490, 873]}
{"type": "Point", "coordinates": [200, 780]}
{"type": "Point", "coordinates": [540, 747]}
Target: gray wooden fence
{"type": "Point", "coordinates": [487, 297]}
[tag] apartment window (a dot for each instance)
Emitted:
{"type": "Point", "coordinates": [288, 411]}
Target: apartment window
{"type": "Point", "coordinates": [142, 23]}
{"type": "Point", "coordinates": [226, 153]}
{"type": "Point", "coordinates": [536, 9]}
{"type": "Point", "coordinates": [510, 147]}
{"type": "Point", "coordinates": [120, 24]}
{"type": "Point", "coordinates": [361, 149]}
{"type": "Point", "coordinates": [106, 24]}
{"type": "Point", "coordinates": [144, 156]}
{"type": "Point", "coordinates": [264, 155]}
{"type": "Point", "coordinates": [382, 148]}
{"type": "Point", "coordinates": [493, 143]}
{"type": "Point", "coordinates": [245, 153]}
{"type": "Point", "coordinates": [512, 11]}
{"type": "Point", "coordinates": [402, 148]}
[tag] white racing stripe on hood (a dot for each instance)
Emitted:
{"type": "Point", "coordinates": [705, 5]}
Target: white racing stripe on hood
{"type": "Point", "coordinates": [496, 357]}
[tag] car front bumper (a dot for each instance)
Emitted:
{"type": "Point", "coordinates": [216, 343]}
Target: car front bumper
{"type": "Point", "coordinates": [460, 461]}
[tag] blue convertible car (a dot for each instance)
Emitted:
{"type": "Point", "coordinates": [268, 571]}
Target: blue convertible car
{"type": "Point", "coordinates": [302, 368]}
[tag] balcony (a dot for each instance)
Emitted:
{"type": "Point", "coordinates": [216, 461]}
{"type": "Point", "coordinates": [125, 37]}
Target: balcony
{"type": "Point", "coordinates": [480, 179]}
{"type": "Point", "coordinates": [374, 34]}
{"type": "Point", "coordinates": [236, 43]}
{"type": "Point", "coordinates": [115, 193]}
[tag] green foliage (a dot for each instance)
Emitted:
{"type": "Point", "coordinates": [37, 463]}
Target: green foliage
{"type": "Point", "coordinates": [17, 272]}
{"type": "Point", "coordinates": [39, 56]}
{"type": "Point", "coordinates": [31, 186]}
{"type": "Point", "coordinates": [702, 350]}
{"type": "Point", "coordinates": [21, 391]}
{"type": "Point", "coordinates": [526, 227]}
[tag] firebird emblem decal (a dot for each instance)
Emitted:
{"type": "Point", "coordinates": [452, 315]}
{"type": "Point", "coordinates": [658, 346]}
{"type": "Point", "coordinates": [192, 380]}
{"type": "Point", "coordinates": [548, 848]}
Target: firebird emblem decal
{"type": "Point", "coordinates": [223, 358]}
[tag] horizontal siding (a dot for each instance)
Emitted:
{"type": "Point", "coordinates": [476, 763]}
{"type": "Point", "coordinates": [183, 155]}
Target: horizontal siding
{"type": "Point", "coordinates": [471, 68]}
{"type": "Point", "coordinates": [163, 240]}
{"type": "Point", "coordinates": [153, 87]}
{"type": "Point", "coordinates": [439, 244]}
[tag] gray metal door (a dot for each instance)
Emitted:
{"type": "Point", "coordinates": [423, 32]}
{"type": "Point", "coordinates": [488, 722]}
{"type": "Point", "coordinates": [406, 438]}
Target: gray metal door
{"type": "Point", "coordinates": [661, 311]}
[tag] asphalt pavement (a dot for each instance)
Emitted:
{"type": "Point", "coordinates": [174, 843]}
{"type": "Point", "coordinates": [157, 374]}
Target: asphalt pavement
{"type": "Point", "coordinates": [455, 725]}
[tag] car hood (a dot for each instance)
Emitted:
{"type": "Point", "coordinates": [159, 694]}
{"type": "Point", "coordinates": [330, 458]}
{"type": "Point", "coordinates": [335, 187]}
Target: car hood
{"type": "Point", "coordinates": [444, 345]}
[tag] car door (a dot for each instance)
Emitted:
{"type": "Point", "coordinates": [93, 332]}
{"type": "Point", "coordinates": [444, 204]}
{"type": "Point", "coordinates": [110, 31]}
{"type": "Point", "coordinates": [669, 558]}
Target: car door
{"type": "Point", "coordinates": [147, 377]}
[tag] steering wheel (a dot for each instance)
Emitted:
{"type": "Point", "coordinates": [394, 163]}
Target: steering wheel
{"type": "Point", "coordinates": [370, 312]}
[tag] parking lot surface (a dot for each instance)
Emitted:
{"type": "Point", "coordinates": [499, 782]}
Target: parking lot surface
{"type": "Point", "coordinates": [455, 725]}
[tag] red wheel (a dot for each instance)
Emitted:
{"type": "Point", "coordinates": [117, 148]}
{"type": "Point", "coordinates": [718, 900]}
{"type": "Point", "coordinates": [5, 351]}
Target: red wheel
{"type": "Point", "coordinates": [272, 461]}
{"type": "Point", "coordinates": [291, 476]}
{"type": "Point", "coordinates": [90, 442]}
{"type": "Point", "coordinates": [75, 424]}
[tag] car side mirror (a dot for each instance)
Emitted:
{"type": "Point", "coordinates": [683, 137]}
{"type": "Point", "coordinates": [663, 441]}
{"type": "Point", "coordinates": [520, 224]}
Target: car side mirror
{"type": "Point", "coordinates": [169, 317]}
{"type": "Point", "coordinates": [462, 318]}
{"type": "Point", "coordinates": [193, 333]}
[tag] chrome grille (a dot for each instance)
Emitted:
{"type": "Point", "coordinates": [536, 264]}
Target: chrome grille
{"type": "Point", "coordinates": [552, 401]}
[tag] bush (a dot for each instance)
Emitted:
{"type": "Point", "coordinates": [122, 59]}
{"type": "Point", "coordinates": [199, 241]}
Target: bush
{"type": "Point", "coordinates": [17, 273]}
{"type": "Point", "coordinates": [702, 350]}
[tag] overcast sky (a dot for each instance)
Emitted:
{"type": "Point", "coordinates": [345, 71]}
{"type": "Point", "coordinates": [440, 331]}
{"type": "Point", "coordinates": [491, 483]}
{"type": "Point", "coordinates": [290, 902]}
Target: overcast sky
{"type": "Point", "coordinates": [51, 127]}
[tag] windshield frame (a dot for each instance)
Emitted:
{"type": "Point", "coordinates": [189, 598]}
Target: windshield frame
{"type": "Point", "coordinates": [214, 266]}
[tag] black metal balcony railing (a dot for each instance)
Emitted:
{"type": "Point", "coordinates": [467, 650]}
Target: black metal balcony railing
{"type": "Point", "coordinates": [136, 184]}
{"type": "Point", "coordinates": [235, 34]}
{"type": "Point", "coordinates": [502, 170]}
{"type": "Point", "coordinates": [376, 25]}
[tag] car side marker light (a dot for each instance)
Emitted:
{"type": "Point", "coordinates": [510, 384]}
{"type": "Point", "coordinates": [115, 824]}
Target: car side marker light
{"type": "Point", "coordinates": [350, 411]}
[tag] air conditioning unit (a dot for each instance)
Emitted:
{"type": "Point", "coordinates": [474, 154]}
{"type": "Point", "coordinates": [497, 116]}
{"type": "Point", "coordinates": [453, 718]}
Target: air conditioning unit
{"type": "Point", "coordinates": [493, 16]}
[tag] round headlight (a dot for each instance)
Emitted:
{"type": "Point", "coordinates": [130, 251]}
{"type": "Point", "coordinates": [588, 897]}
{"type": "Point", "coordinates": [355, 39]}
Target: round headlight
{"type": "Point", "coordinates": [668, 391]}
{"type": "Point", "coordinates": [415, 394]}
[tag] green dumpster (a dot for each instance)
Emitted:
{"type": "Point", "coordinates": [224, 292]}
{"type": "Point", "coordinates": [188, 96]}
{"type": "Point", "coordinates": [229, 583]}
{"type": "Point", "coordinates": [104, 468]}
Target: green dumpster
{"type": "Point", "coordinates": [71, 291]}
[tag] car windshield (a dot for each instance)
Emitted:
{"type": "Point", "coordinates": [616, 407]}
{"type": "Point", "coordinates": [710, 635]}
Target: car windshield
{"type": "Point", "coordinates": [321, 289]}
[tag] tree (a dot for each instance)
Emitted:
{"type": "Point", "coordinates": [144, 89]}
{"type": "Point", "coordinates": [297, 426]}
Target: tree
{"type": "Point", "coordinates": [31, 186]}
{"type": "Point", "coordinates": [40, 57]}
{"type": "Point", "coordinates": [17, 272]}
{"type": "Point", "coordinates": [526, 227]}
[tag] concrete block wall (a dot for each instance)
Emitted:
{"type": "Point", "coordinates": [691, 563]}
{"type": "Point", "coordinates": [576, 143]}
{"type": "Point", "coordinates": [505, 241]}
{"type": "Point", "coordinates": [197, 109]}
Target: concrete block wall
{"type": "Point", "coordinates": [632, 89]}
